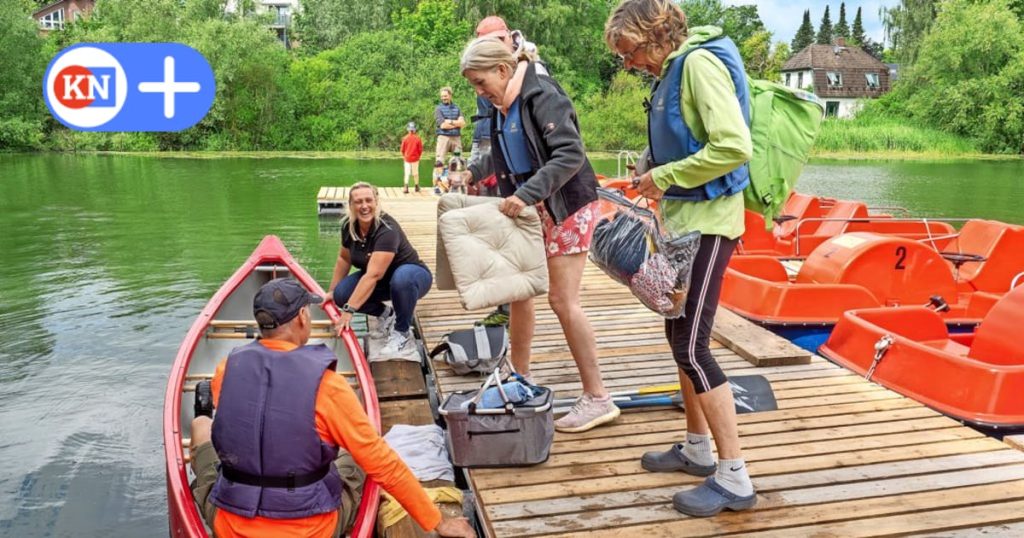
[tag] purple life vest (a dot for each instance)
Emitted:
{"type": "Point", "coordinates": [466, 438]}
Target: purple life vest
{"type": "Point", "coordinates": [273, 462]}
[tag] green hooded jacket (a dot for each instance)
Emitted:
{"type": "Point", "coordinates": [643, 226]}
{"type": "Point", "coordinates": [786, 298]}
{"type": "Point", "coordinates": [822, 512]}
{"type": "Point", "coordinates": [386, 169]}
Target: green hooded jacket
{"type": "Point", "coordinates": [712, 112]}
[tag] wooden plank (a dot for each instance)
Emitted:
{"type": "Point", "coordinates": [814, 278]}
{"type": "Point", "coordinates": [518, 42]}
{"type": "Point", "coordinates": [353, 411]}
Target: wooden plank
{"type": "Point", "coordinates": [1016, 441]}
{"type": "Point", "coordinates": [860, 513]}
{"type": "Point", "coordinates": [604, 501]}
{"type": "Point", "coordinates": [784, 457]}
{"type": "Point", "coordinates": [758, 345]}
{"type": "Point", "coordinates": [415, 412]}
{"type": "Point", "coordinates": [321, 194]}
{"type": "Point", "coordinates": [398, 379]}
{"type": "Point", "coordinates": [918, 521]}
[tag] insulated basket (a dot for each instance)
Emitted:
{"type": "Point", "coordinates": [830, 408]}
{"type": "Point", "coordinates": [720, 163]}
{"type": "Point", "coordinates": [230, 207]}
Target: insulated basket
{"type": "Point", "coordinates": [510, 436]}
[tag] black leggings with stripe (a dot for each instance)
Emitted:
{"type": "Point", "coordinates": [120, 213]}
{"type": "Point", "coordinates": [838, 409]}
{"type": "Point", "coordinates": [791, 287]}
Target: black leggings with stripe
{"type": "Point", "coordinates": [689, 335]}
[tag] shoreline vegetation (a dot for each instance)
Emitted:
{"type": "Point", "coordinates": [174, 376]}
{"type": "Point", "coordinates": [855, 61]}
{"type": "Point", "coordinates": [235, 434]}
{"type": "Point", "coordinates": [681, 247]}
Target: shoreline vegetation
{"type": "Point", "coordinates": [363, 70]}
{"type": "Point", "coordinates": [817, 154]}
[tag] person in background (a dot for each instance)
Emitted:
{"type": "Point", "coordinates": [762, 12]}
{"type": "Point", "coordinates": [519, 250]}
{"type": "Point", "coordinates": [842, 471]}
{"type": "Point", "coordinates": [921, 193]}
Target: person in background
{"type": "Point", "coordinates": [699, 142]}
{"type": "Point", "coordinates": [539, 159]}
{"type": "Point", "coordinates": [300, 472]}
{"type": "Point", "coordinates": [412, 149]}
{"type": "Point", "coordinates": [389, 268]}
{"type": "Point", "coordinates": [449, 120]}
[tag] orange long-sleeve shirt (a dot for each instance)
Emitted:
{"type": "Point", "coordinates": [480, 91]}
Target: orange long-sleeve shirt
{"type": "Point", "coordinates": [341, 421]}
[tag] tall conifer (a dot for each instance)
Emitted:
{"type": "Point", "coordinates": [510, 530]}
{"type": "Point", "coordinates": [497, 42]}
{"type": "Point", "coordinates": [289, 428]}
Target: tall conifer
{"type": "Point", "coordinates": [804, 35]}
{"type": "Point", "coordinates": [842, 28]}
{"type": "Point", "coordinates": [857, 34]}
{"type": "Point", "coordinates": [825, 30]}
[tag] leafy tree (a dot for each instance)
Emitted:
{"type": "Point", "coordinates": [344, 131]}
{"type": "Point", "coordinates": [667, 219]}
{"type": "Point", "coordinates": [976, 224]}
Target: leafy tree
{"type": "Point", "coordinates": [842, 29]}
{"type": "Point", "coordinates": [21, 68]}
{"type": "Point", "coordinates": [325, 24]}
{"type": "Point", "coordinates": [761, 58]}
{"type": "Point", "coordinates": [804, 35]}
{"type": "Point", "coordinates": [737, 22]}
{"type": "Point", "coordinates": [968, 75]}
{"type": "Point", "coordinates": [703, 12]}
{"type": "Point", "coordinates": [569, 36]}
{"type": "Point", "coordinates": [614, 119]}
{"type": "Point", "coordinates": [875, 49]}
{"type": "Point", "coordinates": [906, 26]}
{"type": "Point", "coordinates": [1018, 7]}
{"type": "Point", "coordinates": [825, 30]}
{"type": "Point", "coordinates": [434, 24]}
{"type": "Point", "coordinates": [742, 22]}
{"type": "Point", "coordinates": [857, 35]}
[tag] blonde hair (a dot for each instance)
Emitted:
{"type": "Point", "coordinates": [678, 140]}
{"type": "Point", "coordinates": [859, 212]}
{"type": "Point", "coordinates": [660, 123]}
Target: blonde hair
{"type": "Point", "coordinates": [352, 220]}
{"type": "Point", "coordinates": [486, 53]}
{"type": "Point", "coordinates": [647, 22]}
{"type": "Point", "coordinates": [446, 89]}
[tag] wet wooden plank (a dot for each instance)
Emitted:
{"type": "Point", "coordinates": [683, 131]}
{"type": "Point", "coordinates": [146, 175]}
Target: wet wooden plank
{"type": "Point", "coordinates": [758, 345]}
{"type": "Point", "coordinates": [398, 379]}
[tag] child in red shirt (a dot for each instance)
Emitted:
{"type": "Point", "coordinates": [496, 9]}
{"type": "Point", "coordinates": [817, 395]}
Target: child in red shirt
{"type": "Point", "coordinates": [412, 149]}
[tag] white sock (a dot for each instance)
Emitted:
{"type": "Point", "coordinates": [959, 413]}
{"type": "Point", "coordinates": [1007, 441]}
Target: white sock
{"type": "Point", "coordinates": [732, 475]}
{"type": "Point", "coordinates": [698, 449]}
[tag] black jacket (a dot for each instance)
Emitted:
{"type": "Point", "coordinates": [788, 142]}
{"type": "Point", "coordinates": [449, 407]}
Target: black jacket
{"type": "Point", "coordinates": [564, 179]}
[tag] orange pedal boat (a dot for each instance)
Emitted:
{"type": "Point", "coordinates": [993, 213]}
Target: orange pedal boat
{"type": "Point", "coordinates": [976, 377]}
{"type": "Point", "coordinates": [864, 270]}
{"type": "Point", "coordinates": [808, 221]}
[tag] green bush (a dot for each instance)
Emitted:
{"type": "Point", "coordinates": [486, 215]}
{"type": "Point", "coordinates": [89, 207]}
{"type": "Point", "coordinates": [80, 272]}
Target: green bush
{"type": "Point", "coordinates": [615, 120]}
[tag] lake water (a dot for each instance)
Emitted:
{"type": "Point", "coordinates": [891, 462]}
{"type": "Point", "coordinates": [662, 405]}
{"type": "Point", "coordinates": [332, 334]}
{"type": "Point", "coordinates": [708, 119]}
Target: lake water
{"type": "Point", "coordinates": [108, 259]}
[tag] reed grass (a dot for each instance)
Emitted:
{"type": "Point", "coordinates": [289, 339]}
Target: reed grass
{"type": "Point", "coordinates": [872, 134]}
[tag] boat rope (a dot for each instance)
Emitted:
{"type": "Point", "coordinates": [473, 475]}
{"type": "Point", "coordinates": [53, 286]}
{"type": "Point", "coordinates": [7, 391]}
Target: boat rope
{"type": "Point", "coordinates": [881, 346]}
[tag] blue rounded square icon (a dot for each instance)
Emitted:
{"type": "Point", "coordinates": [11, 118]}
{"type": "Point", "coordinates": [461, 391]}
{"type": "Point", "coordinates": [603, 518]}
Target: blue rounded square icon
{"type": "Point", "coordinates": [129, 87]}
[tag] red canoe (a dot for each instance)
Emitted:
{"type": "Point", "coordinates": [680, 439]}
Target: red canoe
{"type": "Point", "coordinates": [976, 377]}
{"type": "Point", "coordinates": [225, 323]}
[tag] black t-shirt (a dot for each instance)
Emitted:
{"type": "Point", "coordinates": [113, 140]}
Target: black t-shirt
{"type": "Point", "coordinates": [387, 237]}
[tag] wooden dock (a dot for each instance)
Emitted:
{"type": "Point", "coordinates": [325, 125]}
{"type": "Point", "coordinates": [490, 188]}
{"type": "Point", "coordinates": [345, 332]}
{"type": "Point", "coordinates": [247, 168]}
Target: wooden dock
{"type": "Point", "coordinates": [840, 457]}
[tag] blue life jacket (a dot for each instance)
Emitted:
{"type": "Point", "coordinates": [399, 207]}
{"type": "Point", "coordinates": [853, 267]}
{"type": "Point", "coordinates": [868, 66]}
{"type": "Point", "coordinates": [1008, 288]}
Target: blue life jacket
{"type": "Point", "coordinates": [669, 137]}
{"type": "Point", "coordinates": [273, 462]}
{"type": "Point", "coordinates": [482, 120]}
{"type": "Point", "coordinates": [450, 111]}
{"type": "Point", "coordinates": [512, 141]}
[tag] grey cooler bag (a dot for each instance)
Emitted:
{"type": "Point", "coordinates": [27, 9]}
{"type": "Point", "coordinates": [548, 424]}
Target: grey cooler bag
{"type": "Point", "coordinates": [479, 349]}
{"type": "Point", "coordinates": [514, 435]}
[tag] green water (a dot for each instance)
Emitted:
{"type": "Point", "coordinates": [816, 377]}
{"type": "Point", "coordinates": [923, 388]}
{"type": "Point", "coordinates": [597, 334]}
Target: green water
{"type": "Point", "coordinates": [107, 260]}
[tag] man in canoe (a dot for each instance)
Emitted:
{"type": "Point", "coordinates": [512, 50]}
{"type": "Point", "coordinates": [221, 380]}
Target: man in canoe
{"type": "Point", "coordinates": [288, 458]}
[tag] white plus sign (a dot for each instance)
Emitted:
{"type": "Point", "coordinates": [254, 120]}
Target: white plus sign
{"type": "Point", "coordinates": [169, 87]}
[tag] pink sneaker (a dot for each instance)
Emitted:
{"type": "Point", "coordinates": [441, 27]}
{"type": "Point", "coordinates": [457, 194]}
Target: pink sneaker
{"type": "Point", "coordinates": [587, 413]}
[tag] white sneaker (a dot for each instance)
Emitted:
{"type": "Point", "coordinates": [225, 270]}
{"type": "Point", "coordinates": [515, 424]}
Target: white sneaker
{"type": "Point", "coordinates": [399, 344]}
{"type": "Point", "coordinates": [385, 324]}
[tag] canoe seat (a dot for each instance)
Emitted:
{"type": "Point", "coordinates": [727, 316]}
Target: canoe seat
{"type": "Point", "coordinates": [995, 340]}
{"type": "Point", "coordinates": [1000, 244]}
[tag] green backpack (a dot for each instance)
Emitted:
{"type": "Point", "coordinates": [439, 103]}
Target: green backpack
{"type": "Point", "coordinates": [783, 125]}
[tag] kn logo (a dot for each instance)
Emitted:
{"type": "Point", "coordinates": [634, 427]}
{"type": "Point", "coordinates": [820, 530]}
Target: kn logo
{"type": "Point", "coordinates": [129, 87]}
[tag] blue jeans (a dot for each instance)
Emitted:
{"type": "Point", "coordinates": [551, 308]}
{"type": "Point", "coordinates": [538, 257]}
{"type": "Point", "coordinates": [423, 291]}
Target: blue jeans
{"type": "Point", "coordinates": [408, 284]}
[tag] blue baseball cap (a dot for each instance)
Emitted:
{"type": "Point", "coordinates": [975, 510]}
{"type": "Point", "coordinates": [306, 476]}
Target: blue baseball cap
{"type": "Point", "coordinates": [279, 301]}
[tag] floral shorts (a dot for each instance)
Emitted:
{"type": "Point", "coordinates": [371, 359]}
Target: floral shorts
{"type": "Point", "coordinates": [573, 235]}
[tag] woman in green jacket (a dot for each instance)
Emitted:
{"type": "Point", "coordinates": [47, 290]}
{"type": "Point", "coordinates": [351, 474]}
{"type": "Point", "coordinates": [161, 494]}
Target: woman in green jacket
{"type": "Point", "coordinates": [698, 124]}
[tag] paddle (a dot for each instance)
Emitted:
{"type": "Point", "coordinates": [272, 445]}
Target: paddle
{"type": "Point", "coordinates": [751, 393]}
